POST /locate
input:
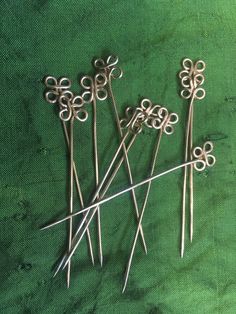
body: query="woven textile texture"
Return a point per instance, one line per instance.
(151, 37)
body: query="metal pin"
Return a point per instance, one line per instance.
(168, 129)
(71, 192)
(98, 189)
(101, 196)
(85, 217)
(191, 78)
(70, 109)
(109, 68)
(133, 122)
(94, 89)
(151, 118)
(90, 247)
(146, 114)
(203, 159)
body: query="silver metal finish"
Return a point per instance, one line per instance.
(71, 107)
(204, 160)
(167, 128)
(95, 89)
(152, 116)
(191, 79)
(110, 69)
(201, 161)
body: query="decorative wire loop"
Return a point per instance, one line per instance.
(153, 116)
(171, 119)
(55, 87)
(132, 120)
(94, 87)
(205, 159)
(70, 105)
(109, 67)
(191, 78)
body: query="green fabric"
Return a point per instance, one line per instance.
(151, 38)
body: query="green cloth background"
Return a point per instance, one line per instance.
(151, 38)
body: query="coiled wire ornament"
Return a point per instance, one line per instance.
(153, 116)
(205, 159)
(55, 87)
(94, 87)
(191, 80)
(108, 66)
(70, 105)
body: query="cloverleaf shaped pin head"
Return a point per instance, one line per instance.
(204, 156)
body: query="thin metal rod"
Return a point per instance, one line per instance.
(191, 176)
(104, 200)
(95, 147)
(102, 182)
(142, 210)
(79, 191)
(126, 161)
(101, 196)
(134, 186)
(93, 199)
(185, 181)
(71, 194)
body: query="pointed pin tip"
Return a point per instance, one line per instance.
(56, 272)
(65, 265)
(54, 275)
(124, 287)
(43, 228)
